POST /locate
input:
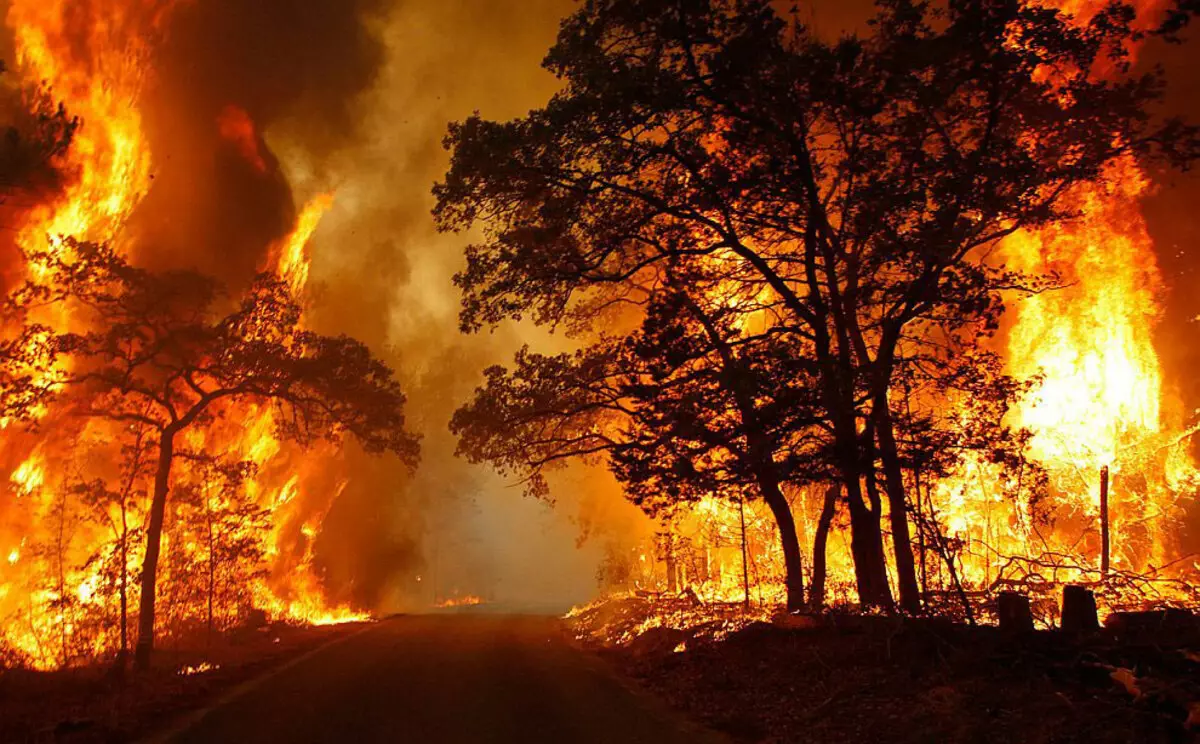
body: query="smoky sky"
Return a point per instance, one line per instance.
(306, 62)
(353, 98)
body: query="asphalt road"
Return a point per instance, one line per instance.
(443, 678)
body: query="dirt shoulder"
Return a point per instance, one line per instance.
(869, 679)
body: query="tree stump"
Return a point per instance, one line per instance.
(1079, 609)
(1013, 612)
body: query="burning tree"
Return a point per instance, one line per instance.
(218, 513)
(115, 509)
(856, 190)
(171, 353)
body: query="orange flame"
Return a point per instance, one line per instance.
(293, 261)
(1101, 402)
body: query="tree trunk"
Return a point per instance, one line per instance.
(60, 550)
(745, 561)
(124, 585)
(893, 474)
(1079, 609)
(866, 539)
(158, 506)
(875, 504)
(1104, 536)
(672, 566)
(1013, 612)
(793, 561)
(816, 593)
(211, 565)
(866, 546)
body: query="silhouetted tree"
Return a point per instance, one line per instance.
(167, 350)
(39, 132)
(858, 184)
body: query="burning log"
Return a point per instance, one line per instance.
(1079, 609)
(1013, 612)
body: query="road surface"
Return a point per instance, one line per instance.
(442, 678)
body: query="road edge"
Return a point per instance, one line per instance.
(648, 698)
(187, 720)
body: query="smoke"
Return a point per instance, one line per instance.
(1169, 210)
(306, 63)
(1169, 215)
(258, 107)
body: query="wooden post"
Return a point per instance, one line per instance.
(1079, 609)
(745, 564)
(1014, 612)
(672, 566)
(1104, 545)
(921, 539)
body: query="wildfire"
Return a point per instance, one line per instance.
(1102, 417)
(1100, 405)
(97, 63)
(1100, 402)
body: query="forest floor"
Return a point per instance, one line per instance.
(93, 705)
(867, 679)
